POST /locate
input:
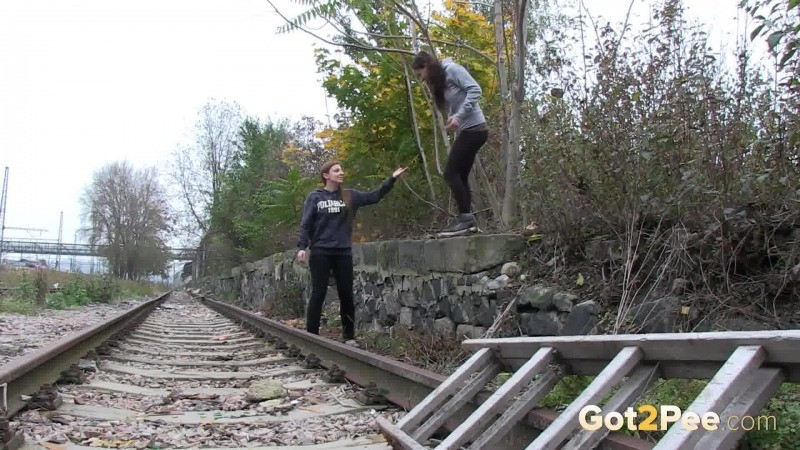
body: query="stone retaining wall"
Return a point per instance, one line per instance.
(456, 287)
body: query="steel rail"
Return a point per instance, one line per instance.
(404, 385)
(26, 374)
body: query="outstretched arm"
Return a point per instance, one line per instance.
(374, 196)
(368, 198)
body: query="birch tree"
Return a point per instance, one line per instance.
(199, 167)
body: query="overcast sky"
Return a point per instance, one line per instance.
(87, 82)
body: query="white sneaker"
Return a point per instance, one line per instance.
(352, 343)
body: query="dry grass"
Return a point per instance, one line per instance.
(13, 277)
(428, 351)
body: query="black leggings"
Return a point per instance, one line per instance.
(321, 267)
(459, 164)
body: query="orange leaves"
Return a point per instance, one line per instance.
(335, 140)
(461, 22)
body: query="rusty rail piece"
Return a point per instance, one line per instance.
(404, 385)
(26, 374)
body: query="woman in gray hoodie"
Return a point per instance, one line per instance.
(451, 85)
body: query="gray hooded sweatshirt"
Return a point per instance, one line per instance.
(462, 93)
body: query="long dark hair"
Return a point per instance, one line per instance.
(436, 77)
(344, 194)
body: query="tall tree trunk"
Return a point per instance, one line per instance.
(502, 75)
(416, 134)
(510, 207)
(506, 153)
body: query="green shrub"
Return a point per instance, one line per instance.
(103, 290)
(17, 306)
(72, 294)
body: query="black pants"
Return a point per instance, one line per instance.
(321, 267)
(459, 164)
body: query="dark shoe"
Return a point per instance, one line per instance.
(462, 224)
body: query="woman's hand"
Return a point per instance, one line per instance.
(399, 171)
(302, 256)
(453, 123)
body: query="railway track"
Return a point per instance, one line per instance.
(186, 376)
(184, 372)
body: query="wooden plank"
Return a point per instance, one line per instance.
(214, 323)
(491, 407)
(241, 353)
(191, 328)
(201, 336)
(188, 331)
(737, 372)
(167, 340)
(458, 400)
(516, 411)
(781, 346)
(452, 384)
(567, 421)
(627, 394)
(750, 402)
(199, 362)
(107, 366)
(205, 346)
(397, 438)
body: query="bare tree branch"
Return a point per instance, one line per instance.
(624, 28)
(339, 44)
(438, 41)
(420, 197)
(199, 168)
(416, 133)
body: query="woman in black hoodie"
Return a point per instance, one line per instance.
(326, 229)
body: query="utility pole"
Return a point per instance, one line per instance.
(3, 209)
(73, 265)
(58, 247)
(3, 201)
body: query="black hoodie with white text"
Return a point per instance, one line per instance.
(325, 227)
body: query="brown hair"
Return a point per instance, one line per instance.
(344, 194)
(436, 77)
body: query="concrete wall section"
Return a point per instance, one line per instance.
(451, 286)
